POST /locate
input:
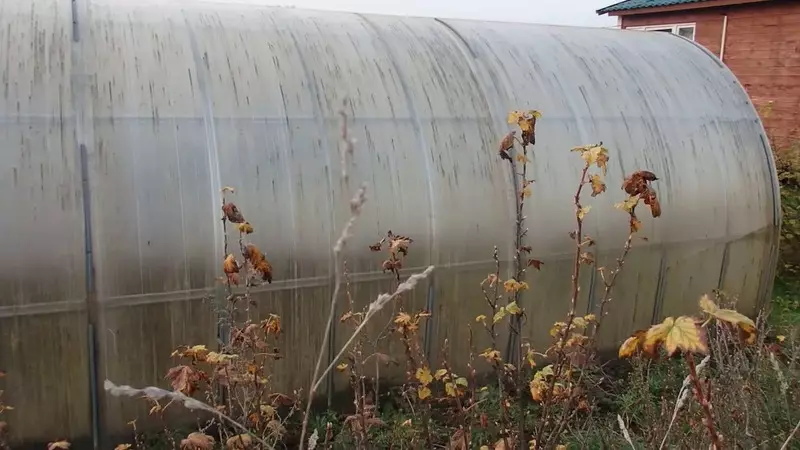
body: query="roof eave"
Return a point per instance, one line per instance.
(671, 8)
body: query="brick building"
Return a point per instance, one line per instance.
(759, 40)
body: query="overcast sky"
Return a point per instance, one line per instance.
(559, 12)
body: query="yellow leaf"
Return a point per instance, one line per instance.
(529, 357)
(557, 327)
(498, 316)
(341, 367)
(245, 228)
(440, 373)
(461, 381)
(480, 318)
(590, 318)
(228, 189)
(707, 305)
(745, 324)
(513, 308)
(547, 371)
(525, 193)
(780, 338)
(579, 322)
(403, 319)
(219, 358)
(424, 392)
(424, 375)
(628, 204)
(491, 355)
(632, 344)
(682, 334)
(561, 447)
(583, 211)
(450, 389)
(522, 158)
(514, 116)
(537, 388)
(267, 411)
(598, 187)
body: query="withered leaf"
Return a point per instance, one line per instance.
(586, 258)
(746, 325)
(507, 143)
(633, 344)
(123, 447)
(526, 248)
(239, 442)
(245, 228)
(376, 247)
(59, 445)
(259, 262)
(651, 200)
(232, 213)
(598, 187)
(197, 441)
(184, 379)
(535, 263)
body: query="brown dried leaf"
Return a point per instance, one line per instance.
(259, 262)
(184, 379)
(535, 263)
(651, 200)
(507, 143)
(239, 442)
(197, 441)
(586, 258)
(399, 244)
(59, 445)
(123, 447)
(598, 187)
(232, 213)
(272, 324)
(638, 182)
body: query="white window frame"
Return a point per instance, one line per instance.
(672, 27)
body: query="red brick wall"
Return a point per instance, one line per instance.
(762, 47)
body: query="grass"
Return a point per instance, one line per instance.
(786, 304)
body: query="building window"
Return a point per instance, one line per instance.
(683, 29)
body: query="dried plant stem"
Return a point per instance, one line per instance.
(356, 205)
(791, 435)
(496, 365)
(683, 395)
(576, 270)
(188, 402)
(704, 403)
(608, 285)
(373, 309)
(516, 321)
(624, 430)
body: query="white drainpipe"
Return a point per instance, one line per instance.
(724, 35)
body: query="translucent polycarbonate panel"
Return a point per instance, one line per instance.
(172, 101)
